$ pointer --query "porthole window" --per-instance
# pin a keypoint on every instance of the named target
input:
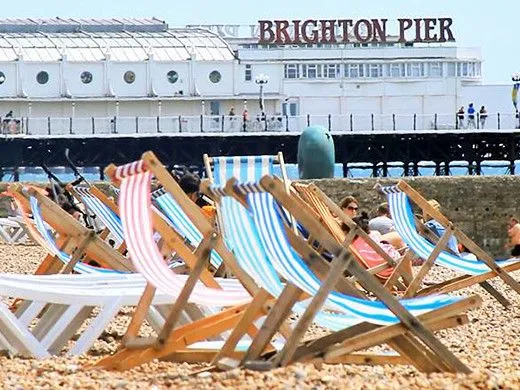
(129, 77)
(2, 77)
(42, 77)
(215, 76)
(86, 77)
(172, 76)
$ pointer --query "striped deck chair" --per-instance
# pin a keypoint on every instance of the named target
(417, 343)
(399, 197)
(95, 202)
(136, 215)
(73, 237)
(56, 308)
(364, 249)
(244, 168)
(263, 263)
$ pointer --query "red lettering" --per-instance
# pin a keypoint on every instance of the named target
(345, 24)
(417, 30)
(429, 25)
(445, 24)
(328, 31)
(404, 24)
(314, 36)
(379, 27)
(266, 32)
(358, 30)
(296, 25)
(282, 35)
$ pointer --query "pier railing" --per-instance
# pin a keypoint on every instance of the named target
(125, 125)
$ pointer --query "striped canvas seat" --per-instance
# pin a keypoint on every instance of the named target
(110, 219)
(135, 206)
(404, 221)
(44, 237)
(243, 168)
(175, 216)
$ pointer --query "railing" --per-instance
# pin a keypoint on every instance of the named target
(236, 124)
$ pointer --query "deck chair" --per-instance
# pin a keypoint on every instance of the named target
(364, 249)
(244, 168)
(399, 197)
(74, 238)
(57, 307)
(414, 340)
(136, 216)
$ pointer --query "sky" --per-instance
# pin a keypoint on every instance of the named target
(493, 27)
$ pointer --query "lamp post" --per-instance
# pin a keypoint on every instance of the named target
(261, 80)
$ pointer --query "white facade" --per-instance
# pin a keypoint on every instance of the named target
(142, 68)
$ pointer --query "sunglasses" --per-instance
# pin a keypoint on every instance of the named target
(353, 208)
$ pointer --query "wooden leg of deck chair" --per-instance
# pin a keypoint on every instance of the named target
(139, 314)
(247, 319)
(278, 314)
(419, 356)
(204, 252)
(78, 252)
(397, 271)
(339, 264)
(410, 321)
(346, 335)
(179, 339)
(428, 264)
(464, 281)
(495, 294)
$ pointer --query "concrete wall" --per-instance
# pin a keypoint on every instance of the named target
(480, 206)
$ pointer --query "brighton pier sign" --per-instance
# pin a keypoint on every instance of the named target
(282, 32)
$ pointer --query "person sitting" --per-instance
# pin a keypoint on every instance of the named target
(436, 228)
(513, 232)
(350, 206)
(384, 241)
(190, 184)
(382, 223)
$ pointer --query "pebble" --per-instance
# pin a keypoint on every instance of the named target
(489, 345)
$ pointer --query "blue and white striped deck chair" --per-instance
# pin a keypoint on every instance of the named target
(178, 219)
(47, 241)
(259, 262)
(109, 218)
(477, 271)
(243, 168)
(273, 235)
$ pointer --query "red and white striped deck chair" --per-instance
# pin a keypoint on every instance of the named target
(139, 227)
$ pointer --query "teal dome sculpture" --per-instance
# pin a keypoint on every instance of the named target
(316, 155)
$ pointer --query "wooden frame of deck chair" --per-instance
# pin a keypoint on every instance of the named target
(172, 340)
(473, 271)
(73, 236)
(409, 334)
(388, 271)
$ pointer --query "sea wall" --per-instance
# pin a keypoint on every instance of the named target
(479, 205)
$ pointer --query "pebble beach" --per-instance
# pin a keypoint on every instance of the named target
(489, 345)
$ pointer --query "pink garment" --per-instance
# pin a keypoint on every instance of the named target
(388, 248)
